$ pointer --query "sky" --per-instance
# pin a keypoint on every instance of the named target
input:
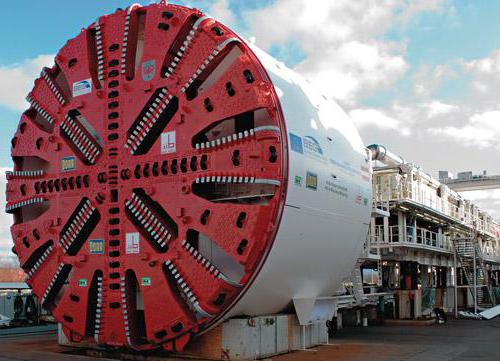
(421, 77)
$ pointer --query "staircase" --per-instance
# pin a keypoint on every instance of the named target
(468, 253)
(485, 295)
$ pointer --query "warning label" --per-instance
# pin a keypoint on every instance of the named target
(132, 243)
(168, 144)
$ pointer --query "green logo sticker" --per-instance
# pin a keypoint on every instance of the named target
(145, 281)
(298, 180)
(82, 282)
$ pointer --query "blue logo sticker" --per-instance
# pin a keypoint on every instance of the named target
(148, 70)
(82, 87)
(96, 246)
(296, 143)
(68, 163)
(312, 145)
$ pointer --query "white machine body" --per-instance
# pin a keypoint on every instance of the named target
(325, 220)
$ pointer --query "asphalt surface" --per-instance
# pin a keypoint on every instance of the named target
(457, 340)
(16, 332)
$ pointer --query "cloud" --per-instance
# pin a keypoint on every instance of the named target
(17, 79)
(485, 66)
(353, 69)
(376, 118)
(470, 126)
(482, 130)
(437, 108)
(401, 118)
(220, 10)
(346, 54)
(485, 73)
(487, 200)
(427, 79)
(414, 8)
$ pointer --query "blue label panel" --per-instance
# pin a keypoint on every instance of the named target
(296, 143)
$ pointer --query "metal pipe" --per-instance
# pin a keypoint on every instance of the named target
(382, 154)
(475, 276)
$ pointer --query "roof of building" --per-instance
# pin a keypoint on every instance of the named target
(13, 286)
(11, 275)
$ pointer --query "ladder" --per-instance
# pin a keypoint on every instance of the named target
(469, 255)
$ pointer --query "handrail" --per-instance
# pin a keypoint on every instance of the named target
(414, 235)
(421, 237)
(401, 190)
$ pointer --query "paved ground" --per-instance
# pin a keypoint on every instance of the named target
(458, 340)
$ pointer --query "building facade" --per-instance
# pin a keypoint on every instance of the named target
(437, 249)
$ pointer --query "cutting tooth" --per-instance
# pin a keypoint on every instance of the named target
(143, 127)
(201, 259)
(99, 51)
(19, 204)
(37, 265)
(51, 284)
(125, 311)
(207, 61)
(24, 174)
(189, 296)
(125, 42)
(40, 110)
(80, 139)
(53, 87)
(148, 220)
(185, 45)
(76, 224)
(236, 179)
(97, 329)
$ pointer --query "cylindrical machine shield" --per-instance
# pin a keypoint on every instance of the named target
(168, 175)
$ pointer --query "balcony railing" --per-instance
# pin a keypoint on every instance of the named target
(418, 237)
(491, 253)
(415, 236)
(397, 190)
